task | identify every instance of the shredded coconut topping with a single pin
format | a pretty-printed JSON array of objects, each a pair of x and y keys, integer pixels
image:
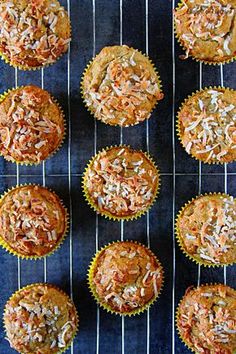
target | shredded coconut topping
[
  {"x": 207, "y": 319},
  {"x": 32, "y": 324},
  {"x": 31, "y": 125},
  {"x": 33, "y": 33},
  {"x": 127, "y": 89},
  {"x": 208, "y": 119},
  {"x": 121, "y": 277},
  {"x": 207, "y": 228},
  {"x": 206, "y": 28},
  {"x": 32, "y": 220},
  {"x": 122, "y": 181}
]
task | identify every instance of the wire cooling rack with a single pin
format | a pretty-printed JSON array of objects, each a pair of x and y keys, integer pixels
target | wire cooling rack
[{"x": 146, "y": 25}]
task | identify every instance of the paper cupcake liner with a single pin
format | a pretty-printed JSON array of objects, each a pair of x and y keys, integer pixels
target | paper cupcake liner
[
  {"x": 27, "y": 163},
  {"x": 105, "y": 306},
  {"x": 178, "y": 130},
  {"x": 177, "y": 314},
  {"x": 35, "y": 68},
  {"x": 106, "y": 214},
  {"x": 12, "y": 251},
  {"x": 208, "y": 62},
  {"x": 62, "y": 292},
  {"x": 90, "y": 109},
  {"x": 179, "y": 238}
]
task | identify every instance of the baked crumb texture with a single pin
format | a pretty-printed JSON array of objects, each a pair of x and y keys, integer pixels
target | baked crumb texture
[
  {"x": 34, "y": 33},
  {"x": 206, "y": 319},
  {"x": 207, "y": 125},
  {"x": 121, "y": 183},
  {"x": 207, "y": 29},
  {"x": 206, "y": 229},
  {"x": 121, "y": 86},
  {"x": 41, "y": 319},
  {"x": 33, "y": 221},
  {"x": 125, "y": 277},
  {"x": 31, "y": 125}
]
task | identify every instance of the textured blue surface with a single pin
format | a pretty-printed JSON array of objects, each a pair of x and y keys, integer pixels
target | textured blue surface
[{"x": 82, "y": 148}]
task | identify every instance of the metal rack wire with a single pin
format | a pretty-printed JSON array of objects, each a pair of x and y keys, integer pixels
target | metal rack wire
[{"x": 173, "y": 174}]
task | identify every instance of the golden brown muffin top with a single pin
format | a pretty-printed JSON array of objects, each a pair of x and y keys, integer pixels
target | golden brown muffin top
[
  {"x": 207, "y": 319},
  {"x": 31, "y": 125},
  {"x": 207, "y": 229},
  {"x": 32, "y": 220},
  {"x": 34, "y": 33},
  {"x": 121, "y": 181},
  {"x": 207, "y": 29},
  {"x": 126, "y": 276},
  {"x": 207, "y": 125},
  {"x": 121, "y": 86},
  {"x": 40, "y": 319}
]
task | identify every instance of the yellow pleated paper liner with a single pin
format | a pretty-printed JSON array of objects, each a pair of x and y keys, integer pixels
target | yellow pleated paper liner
[
  {"x": 179, "y": 238},
  {"x": 90, "y": 109},
  {"x": 34, "y": 68},
  {"x": 104, "y": 305},
  {"x": 27, "y": 287},
  {"x": 177, "y": 314},
  {"x": 178, "y": 129},
  {"x": 106, "y": 214},
  {"x": 12, "y": 251},
  {"x": 34, "y": 163},
  {"x": 181, "y": 43}
]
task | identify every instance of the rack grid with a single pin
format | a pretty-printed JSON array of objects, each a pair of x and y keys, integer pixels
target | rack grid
[{"x": 146, "y": 25}]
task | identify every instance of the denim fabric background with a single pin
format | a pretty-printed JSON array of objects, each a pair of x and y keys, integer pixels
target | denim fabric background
[{"x": 180, "y": 271}]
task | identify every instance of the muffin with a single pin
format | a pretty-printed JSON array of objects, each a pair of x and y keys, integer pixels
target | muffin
[
  {"x": 125, "y": 277},
  {"x": 207, "y": 125},
  {"x": 40, "y": 318},
  {"x": 33, "y": 221},
  {"x": 34, "y": 33},
  {"x": 121, "y": 183},
  {"x": 31, "y": 125},
  {"x": 206, "y": 229},
  {"x": 206, "y": 29},
  {"x": 121, "y": 86},
  {"x": 206, "y": 319}
]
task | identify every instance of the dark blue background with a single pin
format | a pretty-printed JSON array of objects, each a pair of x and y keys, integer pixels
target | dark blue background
[{"x": 107, "y": 21}]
